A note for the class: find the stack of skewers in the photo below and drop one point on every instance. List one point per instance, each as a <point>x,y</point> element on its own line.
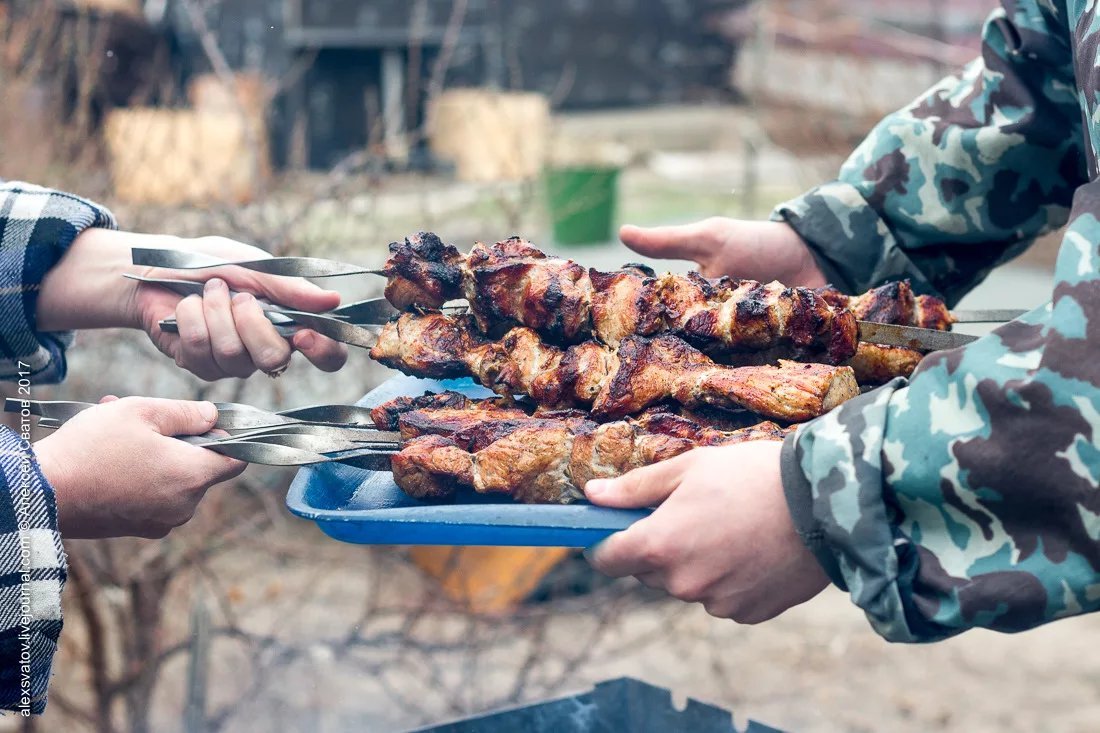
<point>596,373</point>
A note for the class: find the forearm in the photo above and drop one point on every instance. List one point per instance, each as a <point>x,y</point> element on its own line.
<point>966,498</point>
<point>86,288</point>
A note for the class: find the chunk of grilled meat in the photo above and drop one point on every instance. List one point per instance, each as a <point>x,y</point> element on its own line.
<point>615,382</point>
<point>549,461</point>
<point>423,272</point>
<point>387,415</point>
<point>876,364</point>
<point>455,421</point>
<point>512,283</point>
<point>891,303</point>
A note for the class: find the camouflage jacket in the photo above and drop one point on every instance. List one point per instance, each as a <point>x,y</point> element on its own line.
<point>968,496</point>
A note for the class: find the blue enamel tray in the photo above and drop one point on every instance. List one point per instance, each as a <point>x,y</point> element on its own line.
<point>366,507</point>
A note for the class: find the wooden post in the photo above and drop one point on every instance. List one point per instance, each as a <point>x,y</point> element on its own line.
<point>393,105</point>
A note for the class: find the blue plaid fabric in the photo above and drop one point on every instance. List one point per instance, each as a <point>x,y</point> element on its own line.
<point>37,225</point>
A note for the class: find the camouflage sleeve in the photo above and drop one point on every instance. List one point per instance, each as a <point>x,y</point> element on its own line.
<point>964,178</point>
<point>969,497</point>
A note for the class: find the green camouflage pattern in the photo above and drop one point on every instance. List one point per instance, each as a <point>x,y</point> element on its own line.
<point>969,496</point>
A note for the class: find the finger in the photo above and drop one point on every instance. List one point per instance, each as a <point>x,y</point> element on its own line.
<point>324,353</point>
<point>642,487</point>
<point>173,417</point>
<point>637,550</point>
<point>213,467</point>
<point>268,350</point>
<point>108,398</point>
<point>292,292</point>
<point>684,242</point>
<point>194,342</point>
<point>225,343</point>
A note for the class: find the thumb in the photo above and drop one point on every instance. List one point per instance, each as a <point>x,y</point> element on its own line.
<point>643,487</point>
<point>685,242</point>
<point>178,417</point>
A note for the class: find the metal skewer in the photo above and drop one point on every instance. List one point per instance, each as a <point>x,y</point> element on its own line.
<point>346,422</point>
<point>282,266</point>
<point>991,315</point>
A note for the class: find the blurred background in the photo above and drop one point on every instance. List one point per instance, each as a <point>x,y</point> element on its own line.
<point>332,127</point>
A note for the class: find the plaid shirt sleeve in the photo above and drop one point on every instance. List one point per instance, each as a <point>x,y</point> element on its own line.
<point>37,225</point>
<point>32,575</point>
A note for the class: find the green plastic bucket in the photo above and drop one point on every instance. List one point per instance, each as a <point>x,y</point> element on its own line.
<point>582,203</point>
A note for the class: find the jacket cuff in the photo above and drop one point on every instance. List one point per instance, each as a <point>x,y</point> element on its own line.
<point>37,226</point>
<point>800,502</point>
<point>33,571</point>
<point>851,243</point>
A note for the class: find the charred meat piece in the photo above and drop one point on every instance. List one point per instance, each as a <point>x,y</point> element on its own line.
<point>512,283</point>
<point>423,271</point>
<point>625,303</point>
<point>723,316</point>
<point>893,303</point>
<point>407,411</point>
<point>549,461</point>
<point>616,382</point>
<point>878,364</point>
<point>431,468</point>
<point>386,415</point>
<point>450,421</point>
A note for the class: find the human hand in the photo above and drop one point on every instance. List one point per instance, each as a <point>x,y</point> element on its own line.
<point>218,336</point>
<point>756,250</point>
<point>139,481</point>
<point>721,535</point>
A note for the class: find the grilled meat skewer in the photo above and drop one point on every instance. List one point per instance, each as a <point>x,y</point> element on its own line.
<point>511,283</point>
<point>548,461</point>
<point>615,382</point>
<point>447,412</point>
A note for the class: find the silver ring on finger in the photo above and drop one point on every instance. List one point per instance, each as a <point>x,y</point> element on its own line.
<point>278,371</point>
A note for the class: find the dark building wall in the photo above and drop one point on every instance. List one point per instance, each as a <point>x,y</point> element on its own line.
<point>585,53</point>
<point>603,53</point>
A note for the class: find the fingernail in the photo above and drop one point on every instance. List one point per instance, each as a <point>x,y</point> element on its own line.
<point>209,411</point>
<point>243,298</point>
<point>597,487</point>
<point>214,285</point>
<point>306,341</point>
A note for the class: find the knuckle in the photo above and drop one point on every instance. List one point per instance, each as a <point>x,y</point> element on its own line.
<point>687,588</point>
<point>271,357</point>
<point>193,340</point>
<point>656,551</point>
<point>229,349</point>
<point>139,407</point>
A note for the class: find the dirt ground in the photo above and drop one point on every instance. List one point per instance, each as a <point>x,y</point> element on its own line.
<point>818,668</point>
